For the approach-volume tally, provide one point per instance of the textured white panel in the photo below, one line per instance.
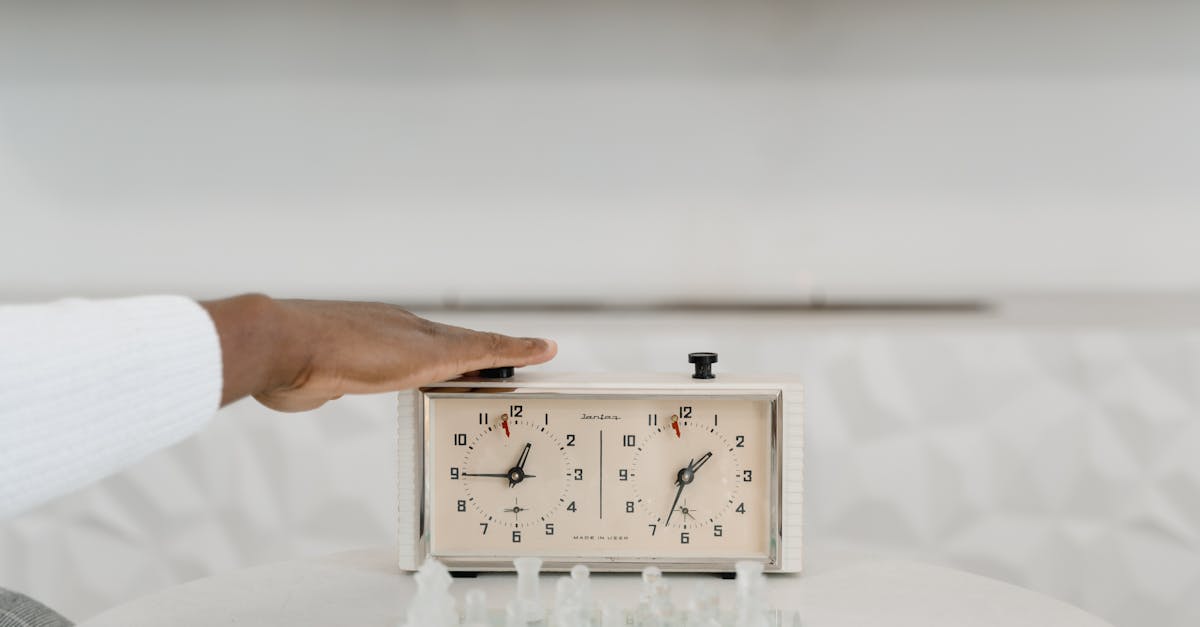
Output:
(408, 481)
(793, 468)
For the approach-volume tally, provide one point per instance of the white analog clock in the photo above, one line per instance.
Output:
(614, 472)
(511, 473)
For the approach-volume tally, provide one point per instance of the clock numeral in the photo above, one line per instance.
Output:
(516, 536)
(462, 505)
(629, 440)
(623, 474)
(685, 413)
(549, 529)
(741, 441)
(741, 508)
(484, 525)
(460, 439)
(454, 472)
(571, 507)
(570, 439)
(747, 475)
(483, 418)
(628, 507)
(714, 420)
(717, 531)
(516, 411)
(579, 474)
(653, 528)
(684, 538)
(652, 420)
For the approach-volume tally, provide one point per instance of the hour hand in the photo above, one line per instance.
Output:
(517, 474)
(694, 466)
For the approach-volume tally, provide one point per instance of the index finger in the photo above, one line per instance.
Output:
(477, 350)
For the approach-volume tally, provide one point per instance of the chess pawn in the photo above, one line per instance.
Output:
(654, 605)
(662, 609)
(650, 576)
(583, 589)
(476, 613)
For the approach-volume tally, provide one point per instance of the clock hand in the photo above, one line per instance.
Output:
(518, 471)
(678, 493)
(682, 478)
(685, 476)
(492, 474)
(700, 462)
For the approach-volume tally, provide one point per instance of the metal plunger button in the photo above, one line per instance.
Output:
(703, 363)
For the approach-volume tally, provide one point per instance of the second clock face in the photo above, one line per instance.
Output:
(599, 476)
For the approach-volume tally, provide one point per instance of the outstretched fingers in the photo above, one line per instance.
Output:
(450, 351)
(476, 350)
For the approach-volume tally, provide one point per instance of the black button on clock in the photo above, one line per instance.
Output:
(703, 363)
(500, 372)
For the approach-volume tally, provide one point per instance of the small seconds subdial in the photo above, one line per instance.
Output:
(686, 475)
(515, 472)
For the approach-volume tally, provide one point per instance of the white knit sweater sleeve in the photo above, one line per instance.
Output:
(89, 387)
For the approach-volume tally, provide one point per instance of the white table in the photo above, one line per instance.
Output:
(366, 588)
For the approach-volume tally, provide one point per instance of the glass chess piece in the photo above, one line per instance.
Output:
(750, 604)
(432, 604)
(529, 595)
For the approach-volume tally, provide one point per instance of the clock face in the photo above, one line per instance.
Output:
(599, 477)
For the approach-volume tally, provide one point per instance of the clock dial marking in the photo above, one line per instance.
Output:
(617, 476)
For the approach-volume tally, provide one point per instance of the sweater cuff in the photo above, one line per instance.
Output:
(89, 387)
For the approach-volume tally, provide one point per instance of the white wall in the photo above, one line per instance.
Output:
(528, 150)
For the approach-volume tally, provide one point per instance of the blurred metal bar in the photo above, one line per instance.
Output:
(804, 306)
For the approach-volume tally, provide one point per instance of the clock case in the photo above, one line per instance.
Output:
(787, 463)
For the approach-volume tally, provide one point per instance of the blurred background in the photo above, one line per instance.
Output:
(969, 226)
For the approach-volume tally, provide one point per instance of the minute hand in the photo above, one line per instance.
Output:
(678, 493)
(684, 477)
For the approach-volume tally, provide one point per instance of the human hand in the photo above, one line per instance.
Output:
(295, 355)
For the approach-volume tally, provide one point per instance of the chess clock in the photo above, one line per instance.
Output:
(688, 472)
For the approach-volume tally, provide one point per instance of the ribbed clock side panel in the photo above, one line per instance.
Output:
(408, 481)
(793, 471)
